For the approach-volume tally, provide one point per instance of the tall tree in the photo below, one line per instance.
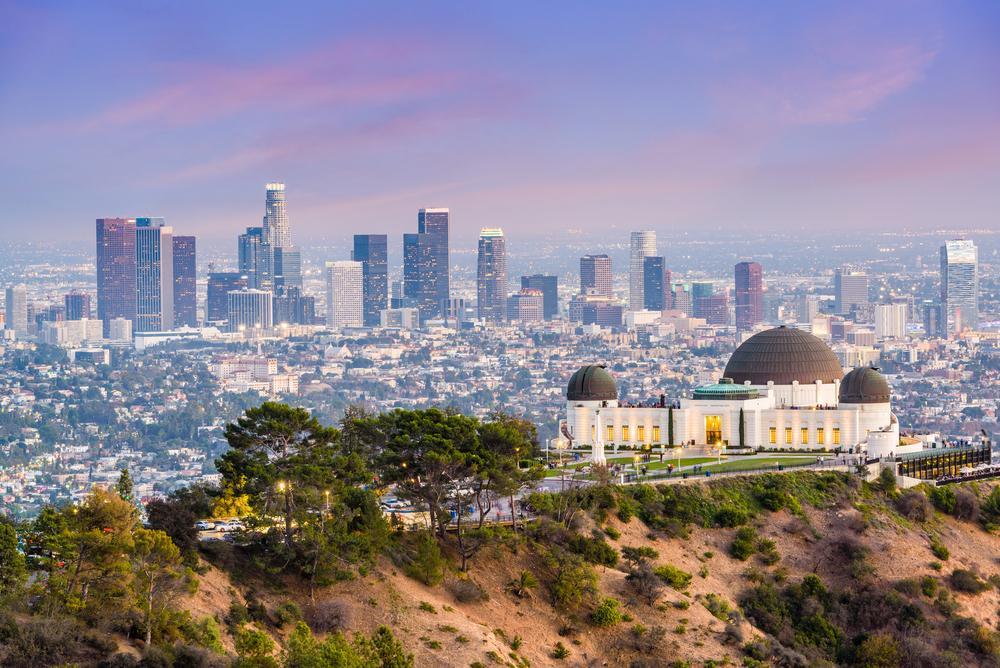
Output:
(124, 486)
(157, 576)
(13, 571)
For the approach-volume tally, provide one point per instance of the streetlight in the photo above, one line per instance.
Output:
(635, 461)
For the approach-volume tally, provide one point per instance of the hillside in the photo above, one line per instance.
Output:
(895, 553)
(835, 572)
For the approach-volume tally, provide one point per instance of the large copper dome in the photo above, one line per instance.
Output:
(783, 355)
(864, 385)
(592, 383)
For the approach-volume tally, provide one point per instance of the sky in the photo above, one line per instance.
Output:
(540, 118)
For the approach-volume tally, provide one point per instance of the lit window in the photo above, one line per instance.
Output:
(625, 432)
(820, 436)
(788, 435)
(593, 432)
(611, 433)
(656, 434)
(640, 434)
(804, 434)
(772, 435)
(836, 435)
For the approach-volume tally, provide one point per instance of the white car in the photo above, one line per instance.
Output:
(231, 525)
(204, 526)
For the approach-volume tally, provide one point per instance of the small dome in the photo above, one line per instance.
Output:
(592, 383)
(783, 355)
(864, 385)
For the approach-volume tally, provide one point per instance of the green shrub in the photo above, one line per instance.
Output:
(730, 516)
(744, 543)
(427, 607)
(966, 581)
(886, 481)
(607, 614)
(939, 550)
(768, 551)
(928, 585)
(560, 652)
(287, 613)
(612, 533)
(879, 650)
(990, 508)
(428, 565)
(595, 550)
(943, 498)
(673, 576)
(575, 582)
(718, 606)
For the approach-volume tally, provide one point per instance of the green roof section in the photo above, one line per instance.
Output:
(727, 390)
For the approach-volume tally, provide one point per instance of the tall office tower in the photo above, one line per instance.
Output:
(254, 255)
(641, 245)
(220, 284)
(372, 251)
(419, 278)
(701, 289)
(154, 275)
(116, 270)
(17, 309)
(528, 305)
(714, 308)
(934, 320)
(250, 309)
(275, 228)
(185, 283)
(549, 287)
(749, 295)
(656, 278)
(890, 321)
(960, 284)
(77, 305)
(491, 276)
(436, 224)
(595, 274)
(344, 294)
(850, 289)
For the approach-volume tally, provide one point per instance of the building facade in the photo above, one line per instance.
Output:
(641, 245)
(372, 251)
(116, 270)
(185, 282)
(850, 289)
(154, 266)
(344, 294)
(749, 280)
(960, 284)
(250, 309)
(77, 305)
(491, 276)
(549, 287)
(656, 279)
(528, 305)
(220, 284)
(16, 309)
(595, 275)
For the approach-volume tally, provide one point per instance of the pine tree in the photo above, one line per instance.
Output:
(670, 426)
(743, 428)
(124, 486)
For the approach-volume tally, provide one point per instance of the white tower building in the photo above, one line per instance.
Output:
(642, 244)
(344, 294)
(17, 309)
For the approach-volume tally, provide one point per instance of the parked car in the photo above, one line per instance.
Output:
(204, 525)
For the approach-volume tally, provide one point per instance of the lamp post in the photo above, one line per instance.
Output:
(635, 461)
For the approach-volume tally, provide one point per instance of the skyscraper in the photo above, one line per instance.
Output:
(286, 266)
(549, 287)
(656, 277)
(254, 258)
(641, 245)
(154, 265)
(890, 321)
(116, 270)
(714, 308)
(960, 284)
(16, 309)
(435, 223)
(491, 276)
(344, 294)
(850, 289)
(371, 250)
(77, 305)
(185, 282)
(749, 295)
(220, 284)
(275, 229)
(595, 274)
(250, 309)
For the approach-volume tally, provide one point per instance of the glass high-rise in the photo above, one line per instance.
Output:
(655, 284)
(850, 290)
(254, 258)
(960, 284)
(435, 223)
(116, 270)
(16, 309)
(641, 245)
(185, 282)
(275, 228)
(344, 294)
(749, 278)
(491, 276)
(154, 266)
(220, 284)
(372, 251)
(77, 305)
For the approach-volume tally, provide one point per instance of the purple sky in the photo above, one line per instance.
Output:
(536, 117)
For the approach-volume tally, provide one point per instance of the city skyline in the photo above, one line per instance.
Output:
(705, 117)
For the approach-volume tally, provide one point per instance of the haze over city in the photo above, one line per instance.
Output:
(535, 118)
